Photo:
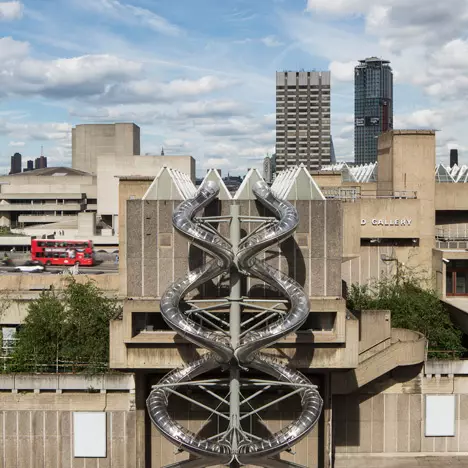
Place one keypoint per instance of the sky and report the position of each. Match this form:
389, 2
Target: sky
198, 76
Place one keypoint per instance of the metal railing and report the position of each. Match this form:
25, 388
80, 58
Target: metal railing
446, 354
354, 193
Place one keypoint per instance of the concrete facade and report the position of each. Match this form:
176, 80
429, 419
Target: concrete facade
36, 420
47, 202
110, 168
91, 141
344, 351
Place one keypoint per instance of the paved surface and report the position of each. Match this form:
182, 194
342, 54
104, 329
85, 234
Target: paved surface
402, 462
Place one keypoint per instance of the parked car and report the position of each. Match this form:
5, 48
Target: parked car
30, 267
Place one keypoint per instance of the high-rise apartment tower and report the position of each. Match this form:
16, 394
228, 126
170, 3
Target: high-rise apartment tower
373, 106
302, 119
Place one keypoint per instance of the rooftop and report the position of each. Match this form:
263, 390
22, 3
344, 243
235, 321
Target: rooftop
52, 171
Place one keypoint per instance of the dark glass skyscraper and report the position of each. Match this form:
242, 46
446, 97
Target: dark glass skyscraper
16, 164
373, 106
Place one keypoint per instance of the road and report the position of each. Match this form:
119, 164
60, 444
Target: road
105, 267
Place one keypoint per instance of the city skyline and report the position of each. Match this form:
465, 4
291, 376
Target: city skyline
200, 79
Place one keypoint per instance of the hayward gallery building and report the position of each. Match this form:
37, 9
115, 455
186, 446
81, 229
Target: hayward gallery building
380, 394
276, 372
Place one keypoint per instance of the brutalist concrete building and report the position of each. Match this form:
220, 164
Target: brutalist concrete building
302, 119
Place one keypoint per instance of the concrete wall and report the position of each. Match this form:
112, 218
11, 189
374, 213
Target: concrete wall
157, 255
388, 416
450, 197
36, 420
37, 185
92, 141
370, 267
111, 166
129, 189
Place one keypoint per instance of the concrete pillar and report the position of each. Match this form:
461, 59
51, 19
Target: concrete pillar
327, 419
143, 425
86, 224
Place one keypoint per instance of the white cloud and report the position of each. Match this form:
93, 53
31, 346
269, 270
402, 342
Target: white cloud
216, 162
340, 7
130, 14
271, 41
11, 50
16, 144
403, 23
342, 71
87, 75
211, 109
10, 11
423, 118
24, 131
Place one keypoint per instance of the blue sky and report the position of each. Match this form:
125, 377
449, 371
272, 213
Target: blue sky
199, 76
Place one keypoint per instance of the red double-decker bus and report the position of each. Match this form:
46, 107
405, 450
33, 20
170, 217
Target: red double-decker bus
62, 252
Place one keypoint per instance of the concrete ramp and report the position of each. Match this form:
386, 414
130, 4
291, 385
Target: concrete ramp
458, 309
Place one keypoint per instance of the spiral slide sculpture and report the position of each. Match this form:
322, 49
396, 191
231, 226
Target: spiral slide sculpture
235, 350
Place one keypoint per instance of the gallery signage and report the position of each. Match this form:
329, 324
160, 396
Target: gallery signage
387, 222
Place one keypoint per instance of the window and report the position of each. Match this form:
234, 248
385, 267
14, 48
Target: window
319, 321
148, 322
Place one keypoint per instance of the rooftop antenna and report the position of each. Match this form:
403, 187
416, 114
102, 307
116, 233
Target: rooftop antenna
42, 151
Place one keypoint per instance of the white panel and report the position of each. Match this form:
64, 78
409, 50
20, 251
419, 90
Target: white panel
440, 416
89, 435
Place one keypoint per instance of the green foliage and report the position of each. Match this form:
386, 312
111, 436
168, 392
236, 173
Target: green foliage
414, 307
66, 331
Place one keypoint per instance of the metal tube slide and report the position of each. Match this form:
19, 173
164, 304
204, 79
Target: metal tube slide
216, 247
283, 228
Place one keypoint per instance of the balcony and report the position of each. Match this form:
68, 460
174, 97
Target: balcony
34, 218
41, 206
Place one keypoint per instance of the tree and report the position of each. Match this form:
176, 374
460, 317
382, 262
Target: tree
66, 330
414, 307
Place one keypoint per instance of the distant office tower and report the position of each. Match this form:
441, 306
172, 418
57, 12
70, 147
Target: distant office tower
302, 119
267, 170
89, 141
40, 163
373, 106
453, 157
29, 166
16, 164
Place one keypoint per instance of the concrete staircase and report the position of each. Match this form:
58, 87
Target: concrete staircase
377, 356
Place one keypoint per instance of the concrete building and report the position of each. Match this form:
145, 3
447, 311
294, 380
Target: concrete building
45, 196
384, 401
91, 141
110, 167
373, 106
47, 201
16, 163
357, 224
302, 119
